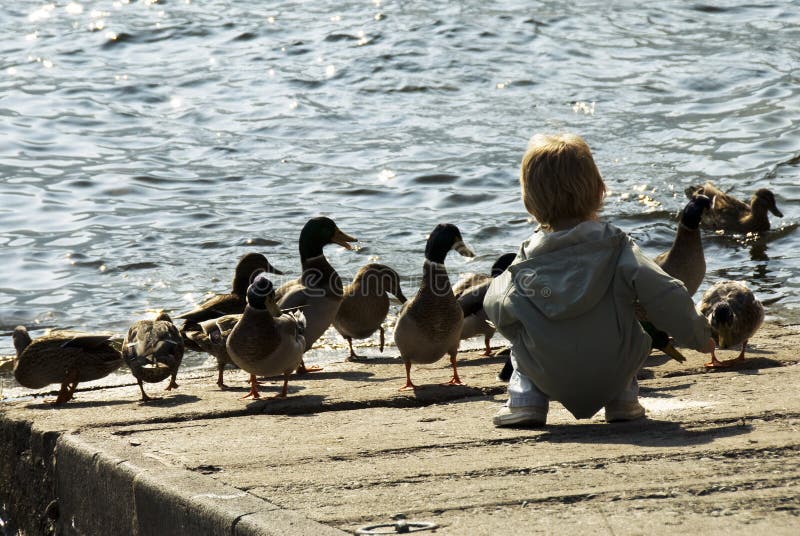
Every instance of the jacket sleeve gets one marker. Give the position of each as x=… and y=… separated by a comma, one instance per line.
x=666, y=300
x=496, y=307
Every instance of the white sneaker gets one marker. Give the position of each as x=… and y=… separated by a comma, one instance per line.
x=624, y=410
x=520, y=416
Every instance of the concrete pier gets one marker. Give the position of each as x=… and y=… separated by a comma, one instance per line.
x=718, y=454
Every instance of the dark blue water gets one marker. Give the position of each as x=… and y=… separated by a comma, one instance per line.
x=145, y=146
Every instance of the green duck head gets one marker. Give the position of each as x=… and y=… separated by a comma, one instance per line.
x=765, y=200
x=249, y=263
x=693, y=211
x=502, y=263
x=442, y=239
x=21, y=339
x=319, y=232
x=261, y=294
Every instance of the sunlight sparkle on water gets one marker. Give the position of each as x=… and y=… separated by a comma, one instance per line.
x=73, y=8
x=386, y=175
x=293, y=105
x=583, y=107
x=11, y=71
x=41, y=13
x=47, y=64
x=176, y=102
x=336, y=18
x=32, y=36
x=271, y=20
x=330, y=70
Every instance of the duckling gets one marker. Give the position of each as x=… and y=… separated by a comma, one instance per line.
x=734, y=314
x=729, y=214
x=226, y=304
x=685, y=260
x=153, y=349
x=429, y=324
x=318, y=291
x=469, y=292
x=64, y=357
x=366, y=304
x=265, y=342
x=211, y=338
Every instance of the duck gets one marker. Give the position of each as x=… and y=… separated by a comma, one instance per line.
x=735, y=314
x=211, y=338
x=153, y=350
x=64, y=357
x=318, y=291
x=732, y=215
x=365, y=304
x=230, y=303
x=429, y=324
x=470, y=291
x=685, y=259
x=265, y=341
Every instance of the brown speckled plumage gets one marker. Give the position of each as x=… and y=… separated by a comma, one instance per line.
x=63, y=357
x=153, y=350
x=747, y=313
x=429, y=325
x=366, y=303
x=211, y=338
x=730, y=214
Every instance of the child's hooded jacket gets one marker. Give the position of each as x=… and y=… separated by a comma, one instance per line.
x=567, y=304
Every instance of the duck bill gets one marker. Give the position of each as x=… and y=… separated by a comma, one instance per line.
x=463, y=249
x=343, y=239
x=673, y=352
x=271, y=269
x=775, y=211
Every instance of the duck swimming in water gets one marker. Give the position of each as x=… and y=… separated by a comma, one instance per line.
x=318, y=291
x=734, y=314
x=153, y=349
x=64, y=357
x=429, y=324
x=729, y=214
x=366, y=303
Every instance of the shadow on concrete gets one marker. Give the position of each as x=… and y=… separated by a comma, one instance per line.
x=658, y=392
x=644, y=432
x=481, y=361
x=347, y=375
x=76, y=403
x=169, y=401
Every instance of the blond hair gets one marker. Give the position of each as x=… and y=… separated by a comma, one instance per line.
x=560, y=180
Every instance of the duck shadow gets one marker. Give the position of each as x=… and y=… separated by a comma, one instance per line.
x=481, y=361
x=642, y=433
x=347, y=375
x=748, y=366
x=658, y=392
x=169, y=401
x=296, y=406
x=361, y=360
x=76, y=403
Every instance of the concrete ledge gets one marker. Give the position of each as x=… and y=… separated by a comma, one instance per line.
x=106, y=492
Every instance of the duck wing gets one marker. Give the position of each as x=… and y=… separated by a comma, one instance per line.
x=219, y=305
x=469, y=281
x=291, y=295
x=471, y=299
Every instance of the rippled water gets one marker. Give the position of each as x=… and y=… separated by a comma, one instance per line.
x=145, y=146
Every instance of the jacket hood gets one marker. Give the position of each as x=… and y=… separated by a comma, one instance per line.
x=566, y=273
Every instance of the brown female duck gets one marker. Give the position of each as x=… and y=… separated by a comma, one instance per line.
x=429, y=325
x=153, y=350
x=366, y=303
x=318, y=291
x=211, y=338
x=231, y=303
x=63, y=357
x=734, y=314
x=729, y=214
x=469, y=292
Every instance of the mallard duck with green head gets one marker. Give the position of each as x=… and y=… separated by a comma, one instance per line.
x=734, y=313
x=734, y=216
x=265, y=342
x=429, y=324
x=366, y=303
x=470, y=291
x=318, y=291
x=64, y=357
x=230, y=303
x=153, y=350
